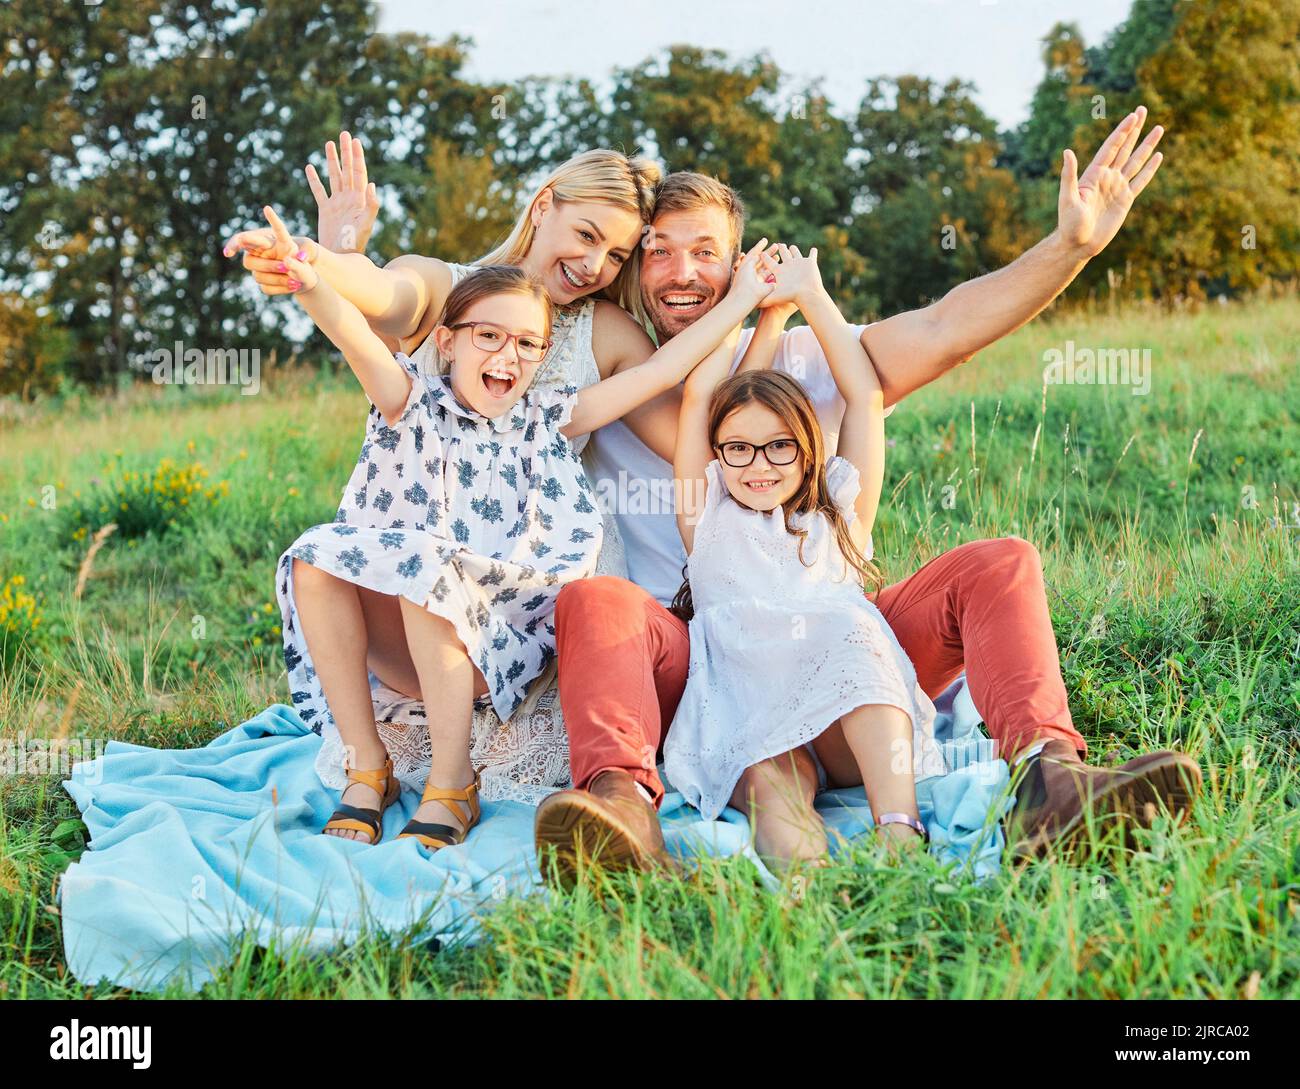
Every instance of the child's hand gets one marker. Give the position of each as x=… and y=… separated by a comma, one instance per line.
x=266, y=255
x=797, y=277
x=302, y=275
x=754, y=277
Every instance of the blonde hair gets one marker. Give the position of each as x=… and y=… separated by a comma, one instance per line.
x=599, y=176
x=787, y=399
x=687, y=191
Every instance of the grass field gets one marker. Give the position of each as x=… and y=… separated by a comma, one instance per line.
x=1167, y=523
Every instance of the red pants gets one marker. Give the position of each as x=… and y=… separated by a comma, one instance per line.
x=981, y=607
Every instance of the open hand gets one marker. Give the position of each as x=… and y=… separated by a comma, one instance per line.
x=755, y=276
x=346, y=214
x=796, y=276
x=1091, y=209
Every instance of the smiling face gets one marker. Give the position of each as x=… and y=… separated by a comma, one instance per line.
x=578, y=248
x=686, y=265
x=490, y=380
x=760, y=485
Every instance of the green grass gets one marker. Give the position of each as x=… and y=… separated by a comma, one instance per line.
x=1174, y=585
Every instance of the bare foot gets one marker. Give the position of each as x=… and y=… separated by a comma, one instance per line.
x=784, y=840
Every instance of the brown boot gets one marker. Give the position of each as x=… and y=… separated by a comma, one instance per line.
x=609, y=825
x=1058, y=789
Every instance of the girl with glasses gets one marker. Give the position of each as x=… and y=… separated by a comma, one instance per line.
x=579, y=233
x=795, y=677
x=469, y=507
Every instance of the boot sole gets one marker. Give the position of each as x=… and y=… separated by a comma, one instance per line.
x=1172, y=782
x=582, y=836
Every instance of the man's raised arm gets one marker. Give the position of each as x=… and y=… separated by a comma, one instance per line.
x=912, y=349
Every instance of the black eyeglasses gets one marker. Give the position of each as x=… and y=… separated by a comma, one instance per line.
x=777, y=452
x=492, y=338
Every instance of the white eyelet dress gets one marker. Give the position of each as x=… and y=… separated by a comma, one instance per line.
x=780, y=648
x=522, y=749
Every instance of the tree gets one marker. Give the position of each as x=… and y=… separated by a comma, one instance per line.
x=699, y=112
x=938, y=208
x=1061, y=103
x=1224, y=214
x=462, y=211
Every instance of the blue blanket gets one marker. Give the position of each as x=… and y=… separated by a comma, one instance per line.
x=191, y=849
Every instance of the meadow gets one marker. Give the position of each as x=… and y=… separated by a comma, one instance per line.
x=1169, y=527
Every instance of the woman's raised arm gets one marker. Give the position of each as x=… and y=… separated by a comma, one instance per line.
x=345, y=215
x=385, y=381
x=396, y=299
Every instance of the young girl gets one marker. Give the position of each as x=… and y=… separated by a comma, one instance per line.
x=584, y=219
x=786, y=649
x=470, y=506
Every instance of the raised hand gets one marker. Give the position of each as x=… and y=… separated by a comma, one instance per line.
x=755, y=276
x=266, y=253
x=346, y=214
x=1091, y=209
x=796, y=276
x=295, y=263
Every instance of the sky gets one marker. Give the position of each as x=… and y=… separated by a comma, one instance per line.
x=992, y=43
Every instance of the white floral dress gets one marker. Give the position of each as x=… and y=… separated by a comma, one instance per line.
x=479, y=520
x=526, y=756
x=781, y=646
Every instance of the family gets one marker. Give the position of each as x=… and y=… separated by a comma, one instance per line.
x=738, y=645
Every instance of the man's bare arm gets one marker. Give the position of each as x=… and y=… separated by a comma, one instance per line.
x=913, y=349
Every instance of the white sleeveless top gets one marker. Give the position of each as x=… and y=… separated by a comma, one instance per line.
x=527, y=757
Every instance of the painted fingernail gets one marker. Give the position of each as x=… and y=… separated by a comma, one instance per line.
x=294, y=284
x=302, y=255
x=228, y=252
x=282, y=267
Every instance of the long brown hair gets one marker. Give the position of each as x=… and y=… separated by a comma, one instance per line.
x=786, y=398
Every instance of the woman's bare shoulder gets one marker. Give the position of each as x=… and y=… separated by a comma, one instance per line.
x=435, y=279
x=432, y=270
x=617, y=339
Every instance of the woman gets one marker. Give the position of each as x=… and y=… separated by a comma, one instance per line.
x=579, y=235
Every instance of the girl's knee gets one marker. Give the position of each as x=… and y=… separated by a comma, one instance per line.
x=790, y=778
x=305, y=576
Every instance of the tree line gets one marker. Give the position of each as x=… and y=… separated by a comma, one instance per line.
x=134, y=137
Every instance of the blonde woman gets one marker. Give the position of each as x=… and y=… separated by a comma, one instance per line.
x=579, y=235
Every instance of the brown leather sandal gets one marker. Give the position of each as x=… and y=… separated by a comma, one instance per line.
x=437, y=836
x=350, y=817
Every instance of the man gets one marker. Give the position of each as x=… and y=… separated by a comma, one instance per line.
x=980, y=607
